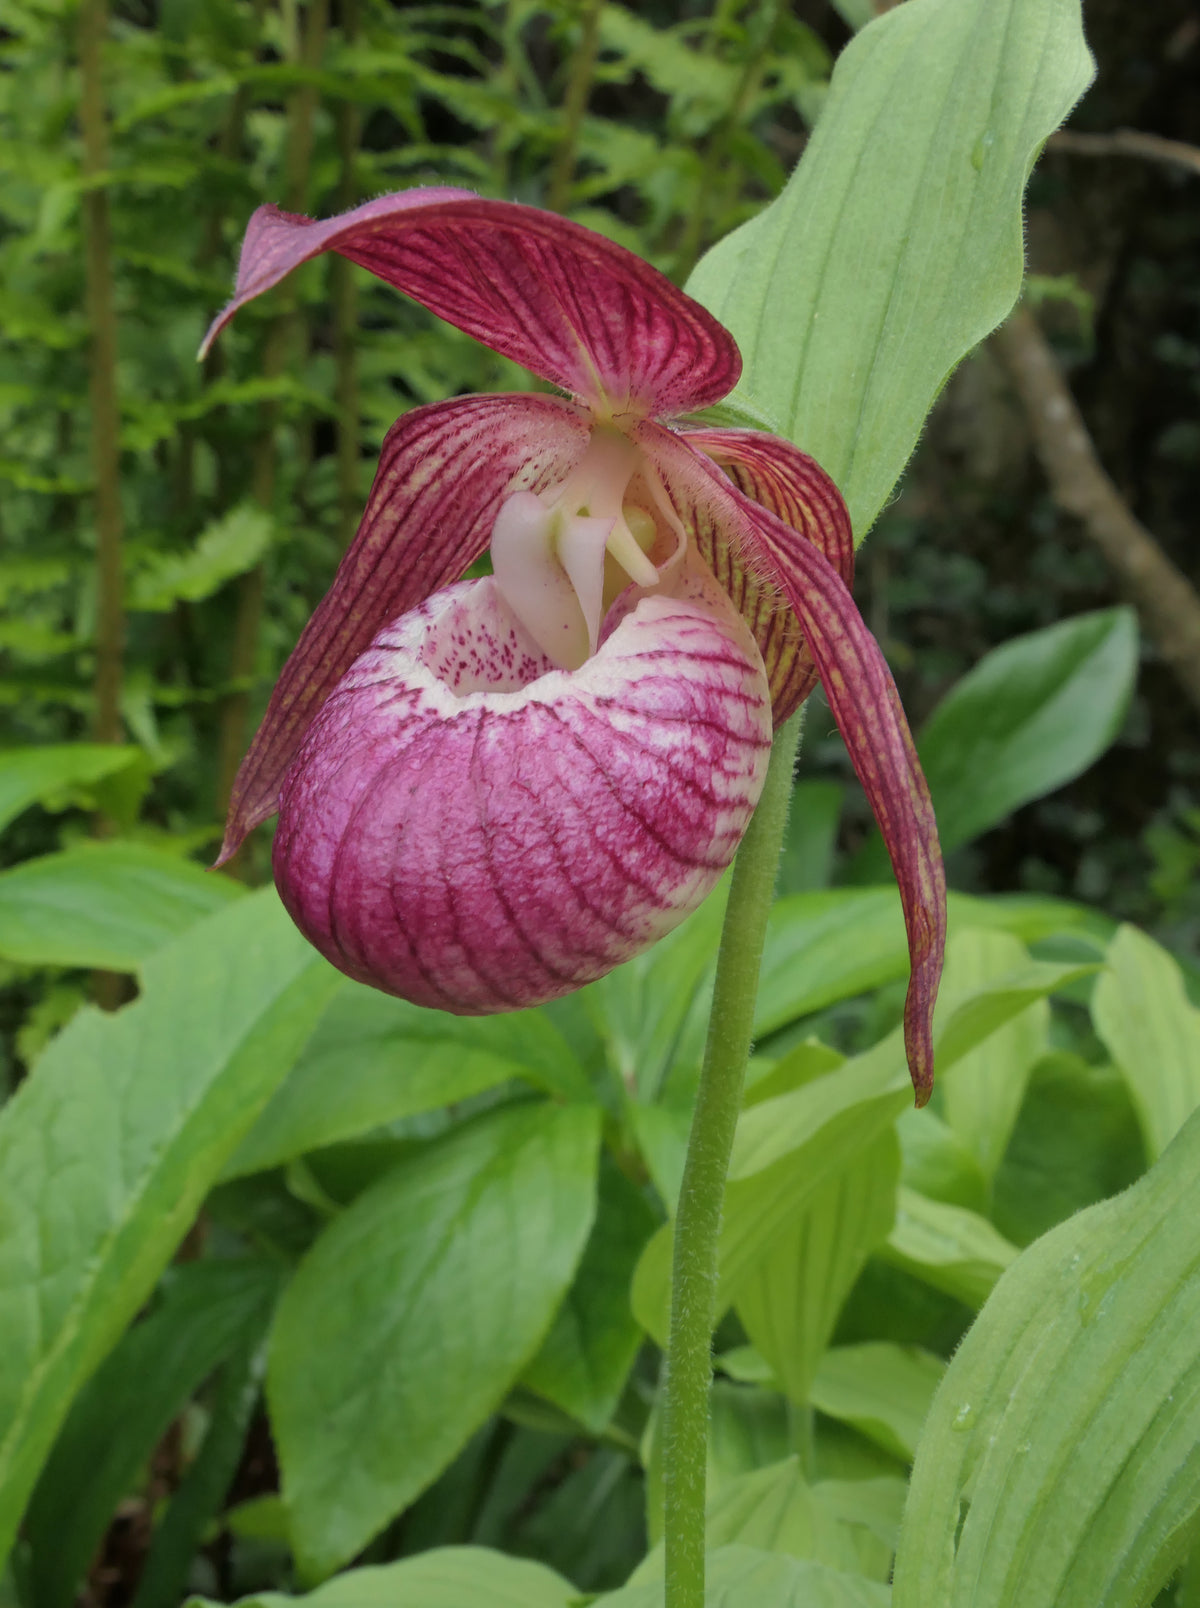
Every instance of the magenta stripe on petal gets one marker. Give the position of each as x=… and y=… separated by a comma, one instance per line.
x=795, y=488
x=442, y=474
x=864, y=702
x=559, y=299
x=771, y=471
x=471, y=829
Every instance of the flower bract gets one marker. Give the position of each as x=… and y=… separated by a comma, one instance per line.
x=493, y=791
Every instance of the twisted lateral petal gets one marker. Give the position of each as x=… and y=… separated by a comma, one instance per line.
x=792, y=485
x=442, y=474
x=473, y=830
x=795, y=488
x=864, y=702
x=566, y=303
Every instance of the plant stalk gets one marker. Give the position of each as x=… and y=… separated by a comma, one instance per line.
x=232, y=735
x=579, y=87
x=102, y=379
x=348, y=124
x=716, y=181
x=688, y=1367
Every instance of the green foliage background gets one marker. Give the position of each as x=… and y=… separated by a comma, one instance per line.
x=302, y=1117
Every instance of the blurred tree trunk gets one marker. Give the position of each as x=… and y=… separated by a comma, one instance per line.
x=1167, y=602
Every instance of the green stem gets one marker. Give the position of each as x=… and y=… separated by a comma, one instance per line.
x=102, y=379
x=688, y=1371
x=579, y=86
x=715, y=177
x=286, y=332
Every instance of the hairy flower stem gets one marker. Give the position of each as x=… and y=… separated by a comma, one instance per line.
x=688, y=1371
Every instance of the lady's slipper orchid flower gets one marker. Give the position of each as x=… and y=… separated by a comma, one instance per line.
x=493, y=791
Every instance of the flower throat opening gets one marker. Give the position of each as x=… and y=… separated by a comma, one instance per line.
x=477, y=645
x=562, y=556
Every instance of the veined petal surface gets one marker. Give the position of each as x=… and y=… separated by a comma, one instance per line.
x=765, y=555
x=474, y=830
x=794, y=487
x=442, y=475
x=562, y=301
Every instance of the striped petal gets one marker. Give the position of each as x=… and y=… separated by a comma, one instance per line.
x=472, y=829
x=795, y=488
x=862, y=697
x=562, y=301
x=442, y=474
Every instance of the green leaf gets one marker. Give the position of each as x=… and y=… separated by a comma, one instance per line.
x=846, y=1524
x=936, y=1162
x=641, y=1008
x=1031, y=715
x=982, y=1099
x=810, y=846
x=897, y=243
x=107, y=1150
x=1076, y=1142
x=1152, y=1032
x=790, y=1300
x=585, y=1359
x=415, y=1312
x=1061, y=1459
x=375, y=1059
x=108, y=904
x=207, y=1310
x=742, y=1577
x=832, y=945
x=194, y=1507
x=983, y=1012
x=948, y=1247
x=448, y=1577
x=229, y=546
x=35, y=775
x=883, y=1390
x=786, y=1148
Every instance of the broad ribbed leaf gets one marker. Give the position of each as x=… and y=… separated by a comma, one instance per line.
x=1076, y=1142
x=897, y=243
x=108, y=1149
x=789, y=1302
x=207, y=1310
x=883, y=1389
x=559, y=299
x=983, y=1098
x=1029, y=717
x=29, y=775
x=742, y=1577
x=845, y=1524
x=416, y=1311
x=826, y=946
x=1061, y=1460
x=103, y=904
x=584, y=1361
x=788, y=1148
x=642, y=1009
x=374, y=1059
x=1152, y=1031
x=948, y=1247
x=447, y=1577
